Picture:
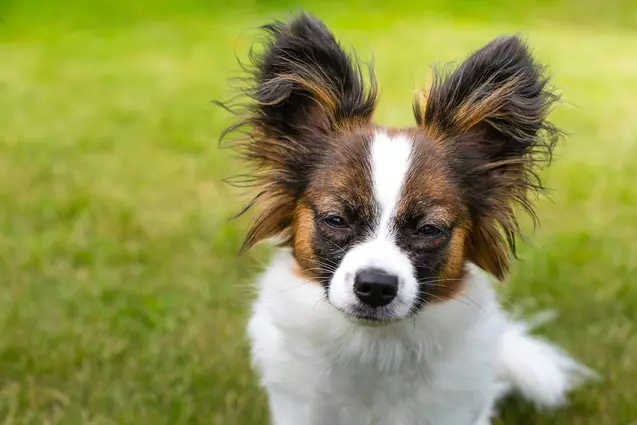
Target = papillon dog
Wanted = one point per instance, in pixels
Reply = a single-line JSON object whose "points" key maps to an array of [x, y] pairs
{"points": [[379, 306]]}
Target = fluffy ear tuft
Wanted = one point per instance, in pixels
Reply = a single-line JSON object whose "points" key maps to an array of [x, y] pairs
{"points": [[491, 112], [302, 88]]}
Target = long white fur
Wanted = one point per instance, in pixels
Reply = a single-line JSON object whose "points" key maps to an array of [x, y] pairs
{"points": [[540, 371], [447, 366], [390, 161]]}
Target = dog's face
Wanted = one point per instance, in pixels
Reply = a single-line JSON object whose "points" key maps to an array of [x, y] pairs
{"points": [[386, 219], [382, 224]]}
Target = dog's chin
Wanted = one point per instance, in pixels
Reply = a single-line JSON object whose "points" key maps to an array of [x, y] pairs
{"points": [[374, 317]]}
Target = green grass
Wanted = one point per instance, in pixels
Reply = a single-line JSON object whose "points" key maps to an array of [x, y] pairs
{"points": [[122, 299]]}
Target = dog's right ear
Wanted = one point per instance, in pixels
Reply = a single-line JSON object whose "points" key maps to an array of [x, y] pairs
{"points": [[305, 80], [303, 88]]}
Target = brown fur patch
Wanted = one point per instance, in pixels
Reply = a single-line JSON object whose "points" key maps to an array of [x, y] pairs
{"points": [[431, 195], [340, 185], [273, 220], [343, 179], [452, 277], [486, 249], [429, 180], [303, 241]]}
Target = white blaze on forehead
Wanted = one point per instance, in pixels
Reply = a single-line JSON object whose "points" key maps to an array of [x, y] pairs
{"points": [[390, 162]]}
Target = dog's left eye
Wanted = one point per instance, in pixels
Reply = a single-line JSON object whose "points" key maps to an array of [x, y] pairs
{"points": [[335, 221], [430, 236], [430, 231]]}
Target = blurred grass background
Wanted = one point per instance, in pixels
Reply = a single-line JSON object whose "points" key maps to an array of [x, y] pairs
{"points": [[122, 298]]}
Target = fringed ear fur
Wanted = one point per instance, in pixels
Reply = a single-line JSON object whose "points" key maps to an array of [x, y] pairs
{"points": [[302, 87], [491, 114]]}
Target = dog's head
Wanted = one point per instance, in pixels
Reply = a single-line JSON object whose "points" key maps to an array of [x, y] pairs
{"points": [[386, 219]]}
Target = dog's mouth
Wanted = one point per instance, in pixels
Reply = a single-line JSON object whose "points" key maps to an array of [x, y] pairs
{"points": [[371, 316]]}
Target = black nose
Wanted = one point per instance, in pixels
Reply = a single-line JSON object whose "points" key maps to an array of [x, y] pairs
{"points": [[375, 287]]}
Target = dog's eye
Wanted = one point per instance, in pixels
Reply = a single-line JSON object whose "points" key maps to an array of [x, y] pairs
{"points": [[431, 234], [430, 231], [335, 221]]}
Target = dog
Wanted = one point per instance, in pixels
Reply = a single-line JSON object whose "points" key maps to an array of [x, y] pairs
{"points": [[379, 305]]}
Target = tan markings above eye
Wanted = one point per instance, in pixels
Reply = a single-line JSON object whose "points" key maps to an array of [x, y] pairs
{"points": [[438, 217]]}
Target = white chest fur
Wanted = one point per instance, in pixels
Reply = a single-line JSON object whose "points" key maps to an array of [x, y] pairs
{"points": [[320, 368]]}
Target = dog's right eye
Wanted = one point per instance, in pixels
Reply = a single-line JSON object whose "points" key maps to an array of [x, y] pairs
{"points": [[335, 221]]}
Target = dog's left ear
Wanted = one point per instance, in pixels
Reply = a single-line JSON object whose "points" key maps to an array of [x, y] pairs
{"points": [[491, 115]]}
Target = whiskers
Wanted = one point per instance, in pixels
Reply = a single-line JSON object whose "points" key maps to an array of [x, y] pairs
{"points": [[252, 290], [445, 284], [318, 275]]}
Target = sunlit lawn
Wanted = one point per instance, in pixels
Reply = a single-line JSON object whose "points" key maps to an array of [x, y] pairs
{"points": [[122, 298]]}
